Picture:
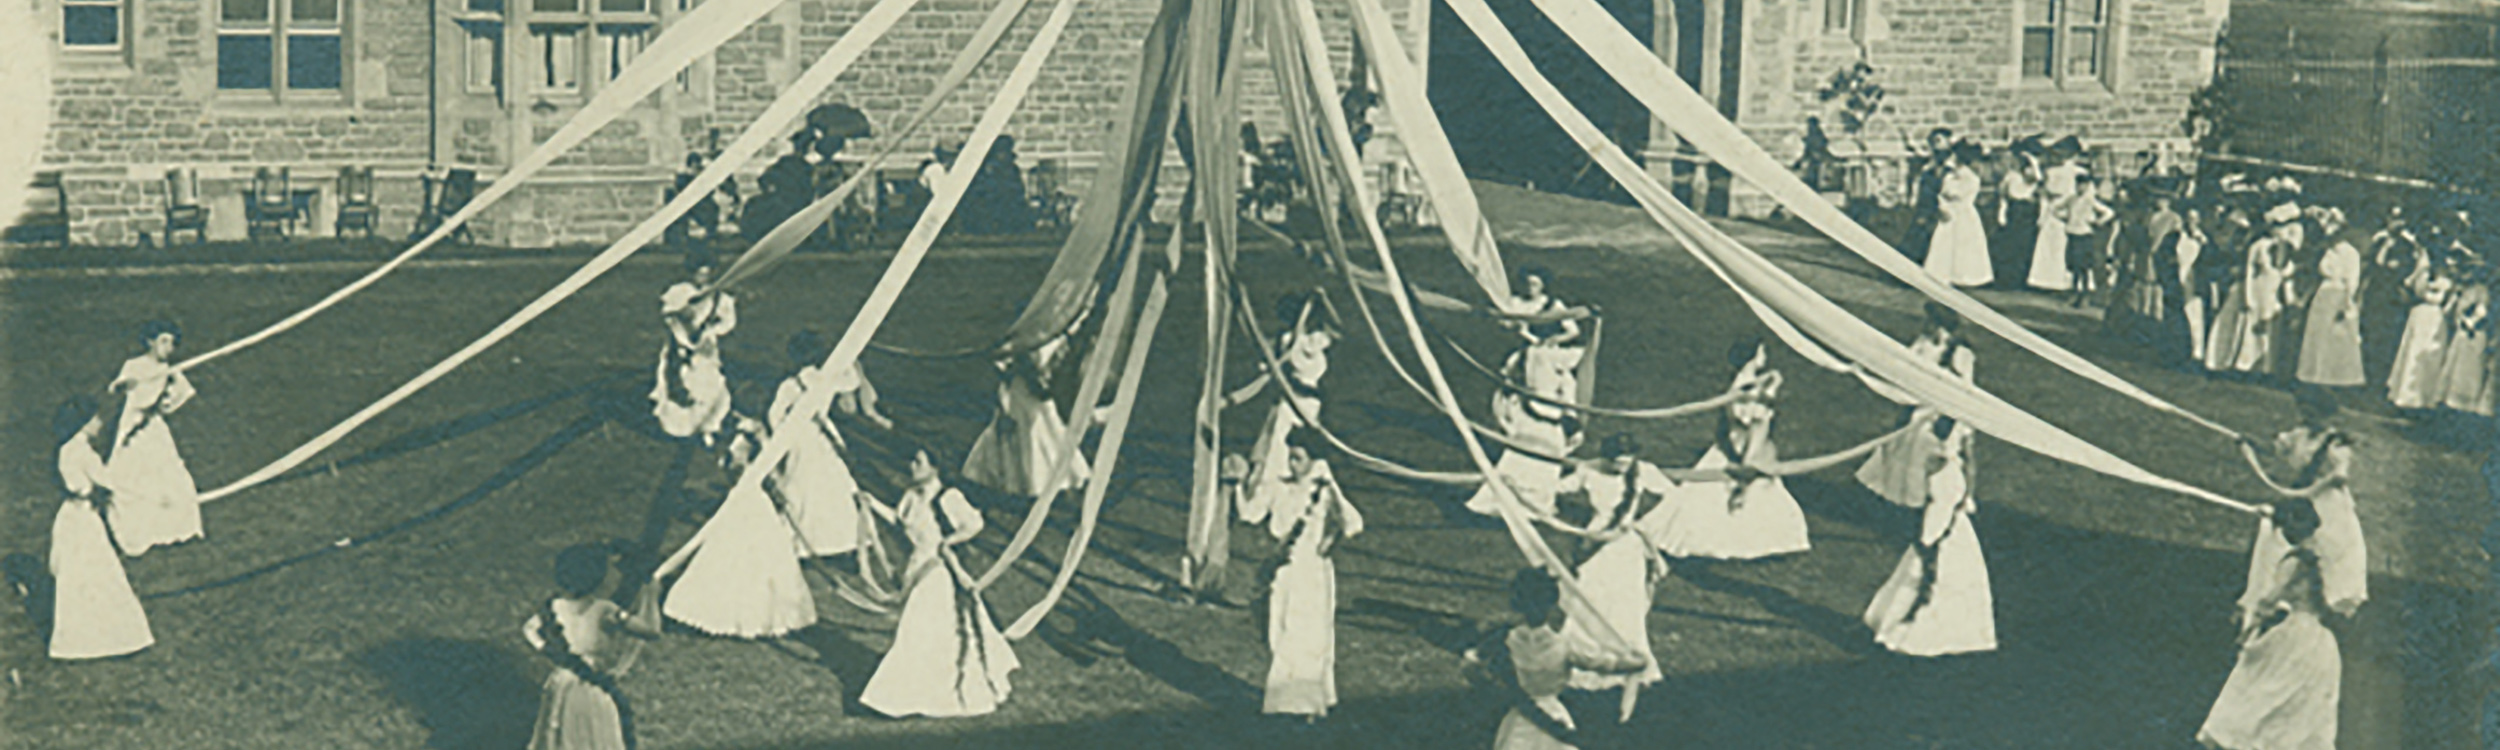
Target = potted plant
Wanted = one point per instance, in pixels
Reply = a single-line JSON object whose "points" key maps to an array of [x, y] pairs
{"points": [[1853, 98]]}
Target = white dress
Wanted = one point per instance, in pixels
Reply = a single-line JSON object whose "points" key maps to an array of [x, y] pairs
{"points": [[1720, 519], [2413, 382], [744, 581], [1305, 358], [948, 658], [1957, 253], [815, 480], [154, 501], [1302, 605], [700, 324], [1547, 370], [94, 612], [1959, 615], [1021, 449], [2048, 252], [1617, 576]]}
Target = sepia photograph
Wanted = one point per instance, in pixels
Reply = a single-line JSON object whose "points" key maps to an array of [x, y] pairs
{"points": [[1142, 374]]}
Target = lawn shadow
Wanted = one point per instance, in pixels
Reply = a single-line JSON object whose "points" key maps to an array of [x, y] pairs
{"points": [[1095, 630], [850, 662], [468, 695]]}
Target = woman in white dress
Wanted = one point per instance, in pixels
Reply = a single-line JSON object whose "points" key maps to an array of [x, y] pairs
{"points": [[1957, 253], [816, 479], [2309, 559], [1937, 601], [2058, 187], [1302, 604], [948, 657], [580, 706], [1019, 452], [2330, 346], [742, 576], [2413, 382], [154, 501], [1618, 576], [690, 397], [94, 612], [1740, 520], [1899, 469], [1539, 426], [1303, 350], [2245, 329]]}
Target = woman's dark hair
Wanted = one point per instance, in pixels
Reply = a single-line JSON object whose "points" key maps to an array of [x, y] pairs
{"points": [[2069, 146], [1743, 351], [2315, 402], [1309, 440], [1619, 444], [581, 568], [154, 328], [1968, 153], [2297, 518], [1940, 316], [1534, 594], [73, 416], [2029, 144], [1943, 427], [1939, 130]]}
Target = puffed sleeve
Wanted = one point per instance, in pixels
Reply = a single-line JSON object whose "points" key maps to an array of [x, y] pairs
{"points": [[959, 512]]}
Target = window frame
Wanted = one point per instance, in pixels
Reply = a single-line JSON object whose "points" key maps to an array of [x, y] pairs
{"points": [[592, 29], [1851, 15], [121, 28], [2105, 29], [280, 27]]}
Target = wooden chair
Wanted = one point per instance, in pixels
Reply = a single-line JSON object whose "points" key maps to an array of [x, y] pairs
{"points": [[269, 209], [445, 195], [355, 201], [183, 208], [45, 218]]}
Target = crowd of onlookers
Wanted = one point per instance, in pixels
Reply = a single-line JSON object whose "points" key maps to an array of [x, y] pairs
{"points": [[2238, 272]]}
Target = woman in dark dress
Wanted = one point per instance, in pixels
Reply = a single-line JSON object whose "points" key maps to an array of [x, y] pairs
{"points": [[2018, 213]]}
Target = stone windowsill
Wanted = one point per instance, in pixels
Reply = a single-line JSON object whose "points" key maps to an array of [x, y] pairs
{"points": [[261, 101], [95, 63]]}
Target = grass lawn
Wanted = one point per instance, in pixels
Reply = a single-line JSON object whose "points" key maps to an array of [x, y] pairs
{"points": [[2113, 601]]}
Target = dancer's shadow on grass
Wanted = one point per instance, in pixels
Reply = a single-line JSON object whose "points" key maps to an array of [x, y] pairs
{"points": [[466, 694], [850, 662], [1087, 629], [1447, 631]]}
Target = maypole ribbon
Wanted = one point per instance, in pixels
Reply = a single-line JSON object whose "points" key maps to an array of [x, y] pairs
{"points": [[1405, 88], [781, 112], [1880, 354], [691, 36], [915, 248], [1668, 98]]}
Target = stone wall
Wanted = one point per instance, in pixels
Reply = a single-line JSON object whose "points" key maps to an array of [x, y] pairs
{"points": [[122, 119], [1954, 63]]}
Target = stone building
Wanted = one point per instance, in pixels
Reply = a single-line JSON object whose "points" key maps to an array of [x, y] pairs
{"points": [[227, 87]]}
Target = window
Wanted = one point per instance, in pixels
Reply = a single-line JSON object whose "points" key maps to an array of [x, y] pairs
{"points": [[554, 50], [1841, 16], [482, 61], [91, 25], [621, 44], [571, 40], [2065, 41], [279, 45]]}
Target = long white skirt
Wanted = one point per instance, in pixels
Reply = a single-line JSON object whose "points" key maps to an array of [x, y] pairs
{"points": [[948, 657], [1616, 580], [708, 392], [154, 501], [2283, 691], [2048, 257], [94, 612], [1761, 520], [822, 496], [1533, 478], [2413, 383], [1302, 638], [744, 581], [1957, 253], [1960, 616], [1021, 448]]}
